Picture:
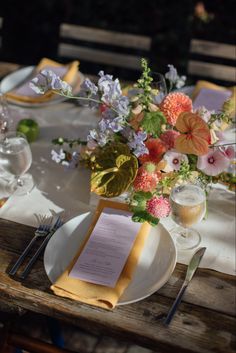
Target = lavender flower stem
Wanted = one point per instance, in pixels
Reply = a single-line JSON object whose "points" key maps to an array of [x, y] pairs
{"points": [[84, 98]]}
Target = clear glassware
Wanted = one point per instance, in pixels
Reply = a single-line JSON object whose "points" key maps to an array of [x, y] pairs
{"points": [[16, 159], [5, 115], [158, 86], [188, 206]]}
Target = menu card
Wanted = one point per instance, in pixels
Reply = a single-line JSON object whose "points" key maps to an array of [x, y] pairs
{"points": [[105, 253], [211, 99]]}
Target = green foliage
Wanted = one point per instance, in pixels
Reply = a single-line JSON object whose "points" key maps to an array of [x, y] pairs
{"points": [[71, 143], [144, 84], [144, 216], [152, 123]]}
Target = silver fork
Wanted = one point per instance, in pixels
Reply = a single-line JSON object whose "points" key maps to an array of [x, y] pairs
{"points": [[30, 264], [42, 230]]}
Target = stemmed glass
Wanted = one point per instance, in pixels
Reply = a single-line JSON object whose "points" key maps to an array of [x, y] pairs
{"points": [[188, 205], [16, 159], [158, 86]]}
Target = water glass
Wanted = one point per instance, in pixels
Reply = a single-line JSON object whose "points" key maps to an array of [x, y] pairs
{"points": [[16, 159]]}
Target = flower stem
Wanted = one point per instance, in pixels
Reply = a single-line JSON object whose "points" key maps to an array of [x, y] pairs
{"points": [[84, 98]]}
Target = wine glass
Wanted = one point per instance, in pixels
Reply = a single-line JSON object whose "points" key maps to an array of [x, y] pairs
{"points": [[16, 159], [188, 205], [158, 86], [5, 115]]}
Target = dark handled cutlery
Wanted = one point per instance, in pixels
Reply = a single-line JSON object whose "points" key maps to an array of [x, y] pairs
{"points": [[30, 264], [193, 265], [41, 231]]}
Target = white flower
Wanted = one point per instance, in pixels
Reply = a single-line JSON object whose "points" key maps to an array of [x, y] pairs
{"points": [[174, 159], [58, 156]]}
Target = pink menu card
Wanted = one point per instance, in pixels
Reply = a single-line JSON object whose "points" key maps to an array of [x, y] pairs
{"points": [[105, 253]]}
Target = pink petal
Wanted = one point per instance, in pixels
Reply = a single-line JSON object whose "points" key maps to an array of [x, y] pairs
{"points": [[221, 163], [230, 153]]}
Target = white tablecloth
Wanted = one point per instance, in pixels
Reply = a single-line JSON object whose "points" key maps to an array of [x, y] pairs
{"points": [[58, 189]]}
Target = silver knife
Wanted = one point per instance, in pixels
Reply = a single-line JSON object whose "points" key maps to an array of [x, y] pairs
{"points": [[193, 265]]}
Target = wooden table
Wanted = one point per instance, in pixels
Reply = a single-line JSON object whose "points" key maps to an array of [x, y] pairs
{"points": [[205, 321]]}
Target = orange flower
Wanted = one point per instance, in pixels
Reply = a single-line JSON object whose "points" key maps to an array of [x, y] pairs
{"points": [[174, 104], [156, 149], [195, 135]]}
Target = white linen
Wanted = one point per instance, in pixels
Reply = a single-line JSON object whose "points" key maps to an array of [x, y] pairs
{"points": [[58, 189]]}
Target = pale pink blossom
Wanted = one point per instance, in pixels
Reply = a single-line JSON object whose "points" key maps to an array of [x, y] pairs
{"points": [[174, 159], [213, 163], [158, 207], [230, 152], [204, 113]]}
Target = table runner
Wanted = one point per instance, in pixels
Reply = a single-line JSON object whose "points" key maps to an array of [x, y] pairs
{"points": [[57, 189]]}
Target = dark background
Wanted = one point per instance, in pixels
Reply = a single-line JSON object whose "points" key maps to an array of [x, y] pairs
{"points": [[31, 27]]}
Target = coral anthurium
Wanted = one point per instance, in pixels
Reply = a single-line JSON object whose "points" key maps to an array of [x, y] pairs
{"points": [[195, 134]]}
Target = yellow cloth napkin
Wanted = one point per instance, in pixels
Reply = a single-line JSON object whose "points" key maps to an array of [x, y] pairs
{"points": [[70, 76], [205, 84], [95, 294]]}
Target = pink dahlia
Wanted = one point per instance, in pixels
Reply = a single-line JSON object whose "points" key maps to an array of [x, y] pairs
{"points": [[158, 207], [169, 137], [146, 179], [174, 104]]}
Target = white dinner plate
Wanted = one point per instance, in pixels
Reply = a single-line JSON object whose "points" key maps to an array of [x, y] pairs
{"points": [[17, 77], [155, 266]]}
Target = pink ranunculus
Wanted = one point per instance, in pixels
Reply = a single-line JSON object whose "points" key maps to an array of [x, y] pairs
{"points": [[213, 163], [158, 207], [174, 159]]}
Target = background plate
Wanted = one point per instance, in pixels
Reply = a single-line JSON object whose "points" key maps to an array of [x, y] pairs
{"points": [[16, 78], [155, 266]]}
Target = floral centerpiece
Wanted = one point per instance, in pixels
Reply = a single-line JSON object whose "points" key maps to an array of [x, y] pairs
{"points": [[142, 147]]}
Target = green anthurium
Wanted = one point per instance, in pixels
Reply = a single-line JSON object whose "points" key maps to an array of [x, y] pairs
{"points": [[114, 169]]}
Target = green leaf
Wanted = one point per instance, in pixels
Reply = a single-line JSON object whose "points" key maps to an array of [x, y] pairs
{"points": [[140, 195], [144, 216], [152, 123]]}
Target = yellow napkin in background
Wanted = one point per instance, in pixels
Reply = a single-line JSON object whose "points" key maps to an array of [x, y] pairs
{"points": [[20, 93], [94, 294], [205, 84]]}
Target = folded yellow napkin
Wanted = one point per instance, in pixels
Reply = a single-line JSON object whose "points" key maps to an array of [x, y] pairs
{"points": [[205, 84], [94, 294], [23, 93]]}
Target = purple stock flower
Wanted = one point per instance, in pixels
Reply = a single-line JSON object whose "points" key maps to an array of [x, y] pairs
{"points": [[89, 87], [47, 80], [99, 137], [136, 141], [59, 156], [73, 162], [114, 125], [175, 80]]}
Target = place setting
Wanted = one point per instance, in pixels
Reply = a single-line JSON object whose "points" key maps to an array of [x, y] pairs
{"points": [[155, 162], [16, 90]]}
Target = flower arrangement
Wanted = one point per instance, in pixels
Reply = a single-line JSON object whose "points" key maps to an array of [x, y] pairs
{"points": [[141, 147]]}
